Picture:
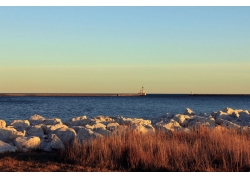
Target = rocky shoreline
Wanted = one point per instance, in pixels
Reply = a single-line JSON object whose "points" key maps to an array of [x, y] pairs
{"points": [[49, 134]]}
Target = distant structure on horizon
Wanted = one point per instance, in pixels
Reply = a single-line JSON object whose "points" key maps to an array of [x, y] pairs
{"points": [[142, 92]]}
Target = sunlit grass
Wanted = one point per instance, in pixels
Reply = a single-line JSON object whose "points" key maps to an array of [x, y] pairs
{"points": [[200, 150]]}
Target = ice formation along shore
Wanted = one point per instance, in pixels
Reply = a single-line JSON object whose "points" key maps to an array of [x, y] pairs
{"points": [[50, 134]]}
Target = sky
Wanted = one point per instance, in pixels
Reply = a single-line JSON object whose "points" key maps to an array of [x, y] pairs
{"points": [[119, 49]]}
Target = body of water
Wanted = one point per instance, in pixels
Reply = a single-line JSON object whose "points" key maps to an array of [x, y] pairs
{"points": [[150, 106]]}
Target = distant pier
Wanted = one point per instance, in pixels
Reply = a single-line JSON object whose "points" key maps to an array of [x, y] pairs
{"points": [[66, 94], [219, 94]]}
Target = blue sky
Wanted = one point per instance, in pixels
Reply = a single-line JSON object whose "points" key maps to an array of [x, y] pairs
{"points": [[119, 49]]}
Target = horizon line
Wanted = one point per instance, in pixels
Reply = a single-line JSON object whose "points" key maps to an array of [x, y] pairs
{"points": [[118, 94]]}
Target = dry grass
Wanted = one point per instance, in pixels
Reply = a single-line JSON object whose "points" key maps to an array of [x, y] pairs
{"points": [[40, 162], [201, 150]]}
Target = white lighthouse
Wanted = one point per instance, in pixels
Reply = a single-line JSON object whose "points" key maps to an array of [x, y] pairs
{"points": [[142, 92]]}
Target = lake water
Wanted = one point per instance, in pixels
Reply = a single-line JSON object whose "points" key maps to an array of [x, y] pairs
{"points": [[150, 106]]}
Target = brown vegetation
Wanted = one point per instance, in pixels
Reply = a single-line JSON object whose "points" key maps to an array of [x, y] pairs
{"points": [[200, 150], [39, 162]]}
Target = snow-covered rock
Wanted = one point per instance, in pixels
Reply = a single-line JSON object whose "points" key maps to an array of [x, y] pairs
{"points": [[78, 121], [96, 126], [36, 119], [76, 128], [20, 125], [130, 121], [79, 118], [2, 123], [102, 119], [171, 125], [181, 119], [51, 142], [66, 135], [228, 110], [25, 144], [5, 147], [9, 134], [51, 128], [244, 116], [227, 124], [223, 115], [143, 128], [35, 131], [112, 126], [235, 115], [103, 132], [230, 125], [52, 121], [201, 121], [85, 134], [188, 112]]}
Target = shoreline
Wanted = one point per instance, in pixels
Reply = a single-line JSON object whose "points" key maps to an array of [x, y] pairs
{"points": [[225, 132], [65, 94], [219, 94]]}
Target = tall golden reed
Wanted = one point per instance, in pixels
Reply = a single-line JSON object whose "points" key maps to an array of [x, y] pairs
{"points": [[202, 149]]}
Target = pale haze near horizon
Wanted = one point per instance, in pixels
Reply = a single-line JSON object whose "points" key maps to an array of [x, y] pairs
{"points": [[120, 49]]}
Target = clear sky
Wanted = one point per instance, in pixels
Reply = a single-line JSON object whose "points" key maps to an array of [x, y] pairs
{"points": [[119, 49]]}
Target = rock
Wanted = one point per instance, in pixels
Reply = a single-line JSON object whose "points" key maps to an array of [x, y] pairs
{"points": [[10, 134], [130, 121], [51, 142], [96, 126], [26, 144], [201, 121], [171, 125], [2, 123], [181, 119], [78, 121], [20, 125], [102, 119], [76, 128], [66, 135], [244, 116], [213, 114], [112, 126], [103, 132], [79, 118], [227, 124], [143, 129], [85, 134], [189, 112], [5, 147], [36, 119], [51, 128], [235, 115], [35, 131], [228, 110], [52, 121], [224, 116]]}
